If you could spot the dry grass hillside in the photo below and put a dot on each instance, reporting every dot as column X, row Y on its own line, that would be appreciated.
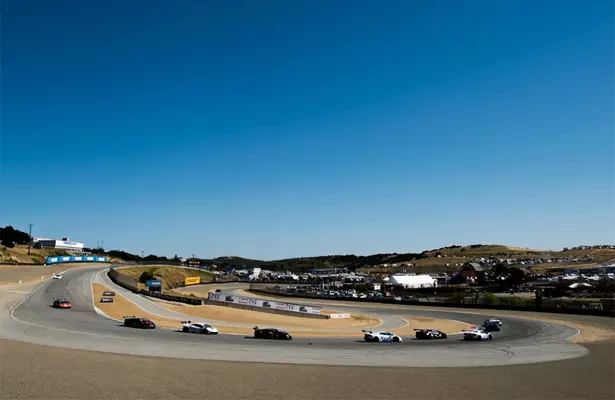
column 19, row 255
column 171, row 277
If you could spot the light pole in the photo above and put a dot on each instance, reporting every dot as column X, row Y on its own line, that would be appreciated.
column 30, row 234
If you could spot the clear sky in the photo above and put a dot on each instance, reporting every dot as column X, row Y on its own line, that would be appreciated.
column 272, row 129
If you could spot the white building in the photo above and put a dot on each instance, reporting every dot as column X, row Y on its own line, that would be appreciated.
column 64, row 244
column 413, row 281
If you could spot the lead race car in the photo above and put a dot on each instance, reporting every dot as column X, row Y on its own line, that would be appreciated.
column 382, row 336
column 195, row 327
column 477, row 334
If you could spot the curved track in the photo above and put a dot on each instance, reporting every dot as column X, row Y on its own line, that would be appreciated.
column 33, row 320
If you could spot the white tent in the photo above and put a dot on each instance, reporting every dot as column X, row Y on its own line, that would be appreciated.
column 413, row 281
column 578, row 285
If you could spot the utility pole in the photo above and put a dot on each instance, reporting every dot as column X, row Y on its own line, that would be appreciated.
column 142, row 253
column 30, row 234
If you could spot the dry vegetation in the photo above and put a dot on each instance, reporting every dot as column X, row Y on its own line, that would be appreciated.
column 19, row 255
column 171, row 276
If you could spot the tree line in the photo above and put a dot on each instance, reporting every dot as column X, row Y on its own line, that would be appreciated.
column 10, row 236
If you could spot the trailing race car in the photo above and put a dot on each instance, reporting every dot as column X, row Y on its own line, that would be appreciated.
column 271, row 333
column 54, row 276
column 429, row 334
column 137, row 322
column 62, row 303
column 188, row 326
column 492, row 324
column 477, row 334
column 384, row 337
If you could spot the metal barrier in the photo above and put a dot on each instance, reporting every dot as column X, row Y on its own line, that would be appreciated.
column 72, row 259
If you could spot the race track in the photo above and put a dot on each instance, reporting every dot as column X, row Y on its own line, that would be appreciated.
column 31, row 319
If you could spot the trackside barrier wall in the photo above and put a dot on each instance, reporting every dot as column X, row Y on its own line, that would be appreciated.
column 297, row 310
column 130, row 283
column 70, row 259
column 606, row 312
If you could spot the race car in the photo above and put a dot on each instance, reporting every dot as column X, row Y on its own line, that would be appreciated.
column 271, row 333
column 189, row 326
column 492, row 324
column 54, row 276
column 62, row 303
column 429, row 334
column 137, row 322
column 477, row 334
column 383, row 337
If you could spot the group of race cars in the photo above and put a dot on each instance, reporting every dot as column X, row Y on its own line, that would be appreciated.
column 473, row 334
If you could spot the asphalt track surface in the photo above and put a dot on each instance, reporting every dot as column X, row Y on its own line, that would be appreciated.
column 34, row 320
column 41, row 372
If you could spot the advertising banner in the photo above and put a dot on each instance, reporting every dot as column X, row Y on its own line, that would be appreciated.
column 106, row 299
column 192, row 281
column 249, row 301
column 339, row 315
column 108, row 293
column 68, row 259
column 153, row 283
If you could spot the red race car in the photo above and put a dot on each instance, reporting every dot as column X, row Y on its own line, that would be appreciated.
column 63, row 303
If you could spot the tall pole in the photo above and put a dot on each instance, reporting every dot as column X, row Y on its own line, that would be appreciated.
column 30, row 234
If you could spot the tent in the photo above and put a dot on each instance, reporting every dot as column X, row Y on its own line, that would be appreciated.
column 413, row 281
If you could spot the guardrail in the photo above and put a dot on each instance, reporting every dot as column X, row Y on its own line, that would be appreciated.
column 607, row 305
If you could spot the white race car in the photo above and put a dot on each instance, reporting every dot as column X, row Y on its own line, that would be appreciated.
column 189, row 326
column 384, row 337
column 477, row 334
column 56, row 276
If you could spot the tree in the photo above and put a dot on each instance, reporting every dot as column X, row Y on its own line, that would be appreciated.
column 10, row 236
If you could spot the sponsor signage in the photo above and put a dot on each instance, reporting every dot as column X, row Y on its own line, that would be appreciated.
column 339, row 315
column 217, row 296
column 108, row 293
column 153, row 283
column 106, row 299
column 63, row 259
column 192, row 281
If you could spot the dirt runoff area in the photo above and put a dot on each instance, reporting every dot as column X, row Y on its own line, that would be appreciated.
column 122, row 306
column 236, row 315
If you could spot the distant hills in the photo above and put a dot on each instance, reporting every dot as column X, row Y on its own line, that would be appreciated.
column 443, row 257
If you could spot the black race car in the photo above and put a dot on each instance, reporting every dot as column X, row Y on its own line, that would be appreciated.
column 429, row 334
column 137, row 322
column 271, row 333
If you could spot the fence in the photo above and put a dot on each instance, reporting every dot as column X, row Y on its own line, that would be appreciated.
column 606, row 310
column 71, row 259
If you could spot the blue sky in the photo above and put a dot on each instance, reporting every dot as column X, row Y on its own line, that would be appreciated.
column 273, row 129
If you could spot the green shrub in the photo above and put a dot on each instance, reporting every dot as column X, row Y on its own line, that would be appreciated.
column 490, row 299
